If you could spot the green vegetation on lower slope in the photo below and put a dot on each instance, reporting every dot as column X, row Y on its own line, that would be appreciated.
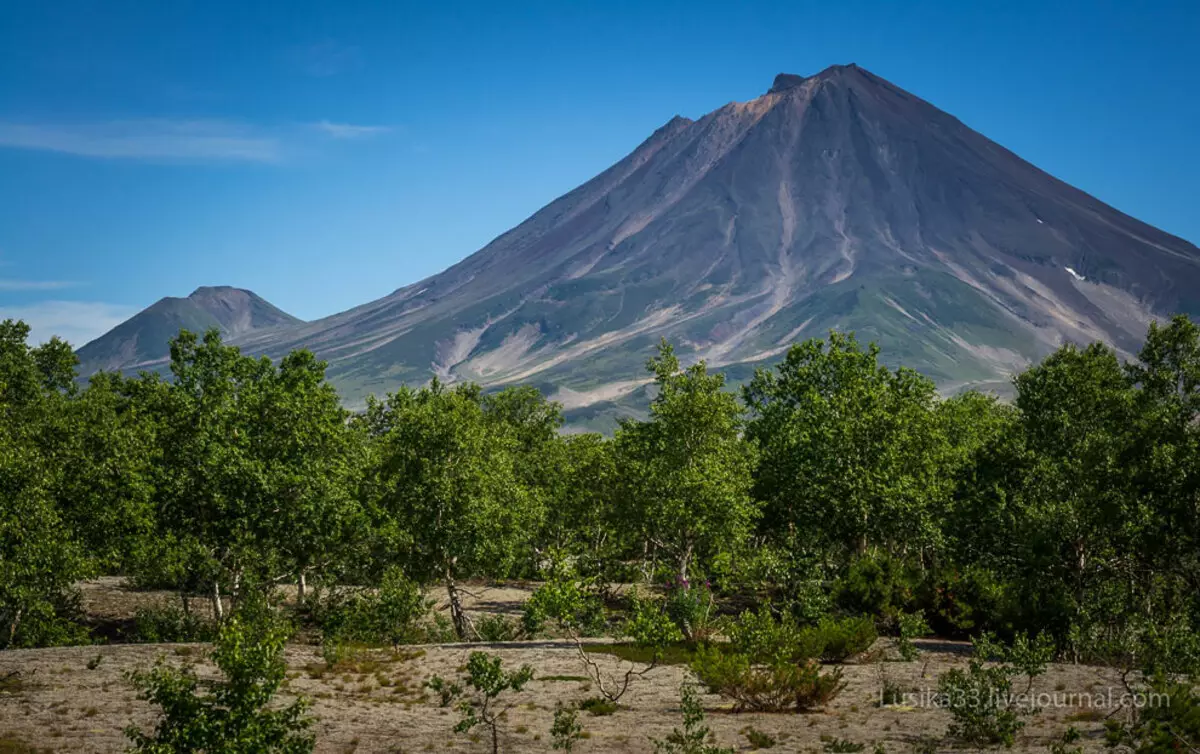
column 772, row 532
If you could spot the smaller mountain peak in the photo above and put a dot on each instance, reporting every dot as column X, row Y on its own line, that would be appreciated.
column 212, row 289
column 785, row 81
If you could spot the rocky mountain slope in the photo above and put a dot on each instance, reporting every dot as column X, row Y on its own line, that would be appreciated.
column 142, row 341
column 832, row 201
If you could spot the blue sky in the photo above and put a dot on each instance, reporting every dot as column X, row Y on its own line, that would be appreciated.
column 324, row 154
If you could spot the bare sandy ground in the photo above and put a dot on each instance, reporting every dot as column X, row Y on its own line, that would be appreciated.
column 377, row 702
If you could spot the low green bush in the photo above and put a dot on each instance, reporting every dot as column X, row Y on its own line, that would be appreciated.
column 767, row 638
column 843, row 638
column 169, row 623
column 776, row 687
column 565, row 603
column 1168, row 721
column 497, row 628
column 876, row 585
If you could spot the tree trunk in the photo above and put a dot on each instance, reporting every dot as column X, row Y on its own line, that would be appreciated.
column 459, row 617
column 301, row 587
column 685, row 561
column 12, row 628
column 218, row 607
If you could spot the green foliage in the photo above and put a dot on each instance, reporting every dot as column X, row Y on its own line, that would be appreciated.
column 40, row 559
column 695, row 737
column 171, row 623
column 966, row 601
column 758, row 739
column 912, row 626
column 1064, row 743
column 767, row 639
column 649, row 624
column 487, row 680
column 1168, row 722
column 497, row 628
column 235, row 714
column 566, row 730
column 388, row 614
column 565, row 602
column 598, row 706
column 852, row 452
column 447, row 691
column 981, row 698
column 445, row 474
column 777, row 687
column 686, row 474
column 874, row 585
column 845, row 638
column 692, row 609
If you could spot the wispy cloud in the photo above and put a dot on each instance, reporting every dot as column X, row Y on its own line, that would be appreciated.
column 77, row 322
column 156, row 139
column 9, row 284
column 188, row 141
column 348, row 130
column 329, row 58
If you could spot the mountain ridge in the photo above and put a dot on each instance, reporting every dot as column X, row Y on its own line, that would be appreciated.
column 833, row 201
column 142, row 341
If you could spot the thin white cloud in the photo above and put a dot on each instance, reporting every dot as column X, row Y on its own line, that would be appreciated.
column 8, row 284
column 348, row 130
column 329, row 58
column 156, row 139
column 77, row 322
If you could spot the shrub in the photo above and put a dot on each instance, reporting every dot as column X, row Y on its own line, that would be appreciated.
column 692, row 608
column 769, row 639
column 447, row 691
column 695, row 737
column 1169, row 722
column 497, row 628
column 979, row 697
column 488, row 680
column 566, row 603
column 766, row 638
column 758, row 739
column 598, row 707
column 387, row 615
column 169, row 623
column 649, row 624
column 978, row 701
column 874, row 585
column 844, row 638
column 566, row 730
column 912, row 626
column 232, row 715
column 966, row 602
column 776, row 687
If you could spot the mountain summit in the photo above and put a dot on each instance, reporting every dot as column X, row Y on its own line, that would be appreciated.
column 143, row 340
column 836, row 200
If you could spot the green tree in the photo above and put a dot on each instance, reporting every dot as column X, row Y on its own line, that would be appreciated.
column 487, row 680
column 852, row 452
column 686, row 473
column 235, row 714
column 39, row 558
column 312, row 459
column 1081, row 512
column 445, row 474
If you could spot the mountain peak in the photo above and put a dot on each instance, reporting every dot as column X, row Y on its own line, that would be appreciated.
column 785, row 81
column 143, row 340
column 211, row 289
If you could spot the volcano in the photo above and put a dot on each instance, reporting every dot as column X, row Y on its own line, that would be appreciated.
column 837, row 200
